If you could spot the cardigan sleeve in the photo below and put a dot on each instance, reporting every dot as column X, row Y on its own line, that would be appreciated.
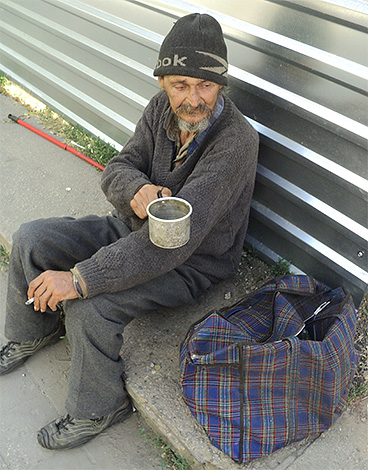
column 130, row 170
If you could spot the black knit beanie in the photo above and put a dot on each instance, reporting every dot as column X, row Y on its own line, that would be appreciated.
column 194, row 47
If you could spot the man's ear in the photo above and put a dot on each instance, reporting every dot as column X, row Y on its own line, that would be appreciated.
column 161, row 82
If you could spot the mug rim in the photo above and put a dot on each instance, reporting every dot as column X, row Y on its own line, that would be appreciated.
column 161, row 199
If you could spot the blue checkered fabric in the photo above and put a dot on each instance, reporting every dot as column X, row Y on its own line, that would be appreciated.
column 273, row 369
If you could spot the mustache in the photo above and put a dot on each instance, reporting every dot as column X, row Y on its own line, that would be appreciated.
column 187, row 109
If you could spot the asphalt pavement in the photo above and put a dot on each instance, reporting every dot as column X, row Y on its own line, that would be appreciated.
column 39, row 179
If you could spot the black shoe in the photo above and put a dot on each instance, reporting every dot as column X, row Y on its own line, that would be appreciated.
column 68, row 432
column 13, row 354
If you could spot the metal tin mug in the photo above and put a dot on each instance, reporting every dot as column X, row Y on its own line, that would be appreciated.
column 169, row 222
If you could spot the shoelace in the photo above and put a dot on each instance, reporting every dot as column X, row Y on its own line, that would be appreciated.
column 5, row 350
column 64, row 422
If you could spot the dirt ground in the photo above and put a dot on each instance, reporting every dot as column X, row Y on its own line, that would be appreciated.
column 360, row 382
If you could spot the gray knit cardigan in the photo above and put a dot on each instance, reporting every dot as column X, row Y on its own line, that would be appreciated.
column 217, row 179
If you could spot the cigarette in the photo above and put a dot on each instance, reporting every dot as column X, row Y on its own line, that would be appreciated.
column 29, row 301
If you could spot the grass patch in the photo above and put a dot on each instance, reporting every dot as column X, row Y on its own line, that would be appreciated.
column 93, row 147
column 358, row 392
column 267, row 271
column 72, row 135
column 168, row 458
column 359, row 387
column 280, row 268
column 4, row 257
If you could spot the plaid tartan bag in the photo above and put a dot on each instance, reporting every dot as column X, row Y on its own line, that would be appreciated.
column 273, row 369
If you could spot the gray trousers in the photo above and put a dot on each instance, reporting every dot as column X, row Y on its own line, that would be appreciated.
column 94, row 326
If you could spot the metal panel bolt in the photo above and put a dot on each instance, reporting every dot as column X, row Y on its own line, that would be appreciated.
column 360, row 254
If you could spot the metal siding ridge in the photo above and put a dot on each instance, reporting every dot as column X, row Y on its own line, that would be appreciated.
column 100, row 14
column 330, row 256
column 65, row 111
column 331, row 213
column 130, row 126
column 74, row 35
column 314, row 157
column 314, row 108
column 360, row 6
column 78, row 66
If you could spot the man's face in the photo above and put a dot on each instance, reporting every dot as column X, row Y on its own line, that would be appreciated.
column 192, row 99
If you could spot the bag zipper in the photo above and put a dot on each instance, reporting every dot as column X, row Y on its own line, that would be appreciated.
column 314, row 314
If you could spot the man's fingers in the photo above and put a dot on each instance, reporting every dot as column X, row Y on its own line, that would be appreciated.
column 139, row 208
column 147, row 194
column 37, row 293
column 43, row 301
column 53, row 301
column 166, row 192
column 33, row 285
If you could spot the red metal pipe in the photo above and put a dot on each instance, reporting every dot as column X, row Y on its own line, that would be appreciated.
column 56, row 142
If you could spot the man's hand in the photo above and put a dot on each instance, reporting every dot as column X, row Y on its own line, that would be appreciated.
column 144, row 196
column 51, row 287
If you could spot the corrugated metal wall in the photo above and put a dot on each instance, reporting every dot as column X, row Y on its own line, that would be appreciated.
column 298, row 73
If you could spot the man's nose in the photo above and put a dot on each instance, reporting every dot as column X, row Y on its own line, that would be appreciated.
column 193, row 97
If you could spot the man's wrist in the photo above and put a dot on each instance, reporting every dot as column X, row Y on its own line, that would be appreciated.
column 79, row 284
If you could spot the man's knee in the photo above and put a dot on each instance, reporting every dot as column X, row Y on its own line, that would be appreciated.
column 33, row 233
column 86, row 325
column 82, row 317
column 22, row 235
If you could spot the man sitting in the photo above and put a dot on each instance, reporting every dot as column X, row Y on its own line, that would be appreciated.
column 191, row 142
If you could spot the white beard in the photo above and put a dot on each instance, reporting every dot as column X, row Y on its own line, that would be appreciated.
column 193, row 126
